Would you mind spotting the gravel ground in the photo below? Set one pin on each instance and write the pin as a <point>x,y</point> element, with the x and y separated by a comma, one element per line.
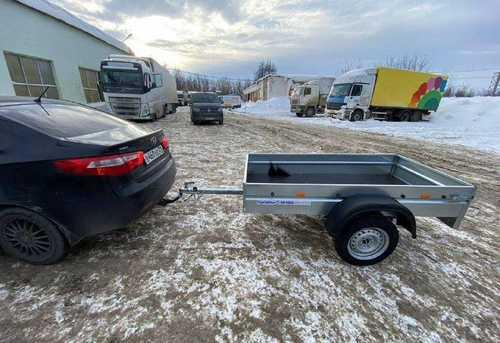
<point>203,271</point>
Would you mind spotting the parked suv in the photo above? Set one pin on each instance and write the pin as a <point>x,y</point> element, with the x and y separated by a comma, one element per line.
<point>206,107</point>
<point>69,171</point>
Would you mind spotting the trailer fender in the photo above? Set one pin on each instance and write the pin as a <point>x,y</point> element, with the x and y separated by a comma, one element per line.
<point>351,208</point>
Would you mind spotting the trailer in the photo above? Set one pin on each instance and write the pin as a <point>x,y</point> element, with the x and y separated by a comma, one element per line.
<point>363,198</point>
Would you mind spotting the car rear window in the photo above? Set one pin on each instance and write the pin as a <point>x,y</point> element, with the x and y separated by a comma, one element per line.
<point>61,120</point>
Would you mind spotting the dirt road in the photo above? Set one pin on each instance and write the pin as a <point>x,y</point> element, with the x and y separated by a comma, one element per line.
<point>203,271</point>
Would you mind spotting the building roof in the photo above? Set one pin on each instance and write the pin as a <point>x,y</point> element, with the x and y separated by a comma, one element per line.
<point>61,14</point>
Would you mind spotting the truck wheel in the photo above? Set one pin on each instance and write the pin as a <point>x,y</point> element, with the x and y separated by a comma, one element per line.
<point>30,237</point>
<point>416,116</point>
<point>299,114</point>
<point>356,116</point>
<point>311,112</point>
<point>367,241</point>
<point>405,115</point>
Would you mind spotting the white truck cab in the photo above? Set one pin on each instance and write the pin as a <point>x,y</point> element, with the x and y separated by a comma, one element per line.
<point>310,98</point>
<point>137,87</point>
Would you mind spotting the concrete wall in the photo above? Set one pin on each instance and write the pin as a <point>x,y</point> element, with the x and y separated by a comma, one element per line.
<point>27,32</point>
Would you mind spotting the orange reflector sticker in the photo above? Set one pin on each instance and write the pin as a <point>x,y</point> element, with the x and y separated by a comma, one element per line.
<point>425,196</point>
<point>300,194</point>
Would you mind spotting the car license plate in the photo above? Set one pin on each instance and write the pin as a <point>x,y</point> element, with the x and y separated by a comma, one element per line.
<point>153,154</point>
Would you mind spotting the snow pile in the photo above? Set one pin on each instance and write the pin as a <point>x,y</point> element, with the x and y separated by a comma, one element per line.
<point>273,107</point>
<point>472,122</point>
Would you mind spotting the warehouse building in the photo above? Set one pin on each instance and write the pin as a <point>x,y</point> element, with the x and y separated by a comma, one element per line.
<point>42,45</point>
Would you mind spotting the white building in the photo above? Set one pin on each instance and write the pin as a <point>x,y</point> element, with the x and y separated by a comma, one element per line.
<point>273,86</point>
<point>43,45</point>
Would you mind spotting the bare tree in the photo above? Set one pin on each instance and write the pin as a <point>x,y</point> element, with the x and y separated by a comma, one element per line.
<point>265,68</point>
<point>350,65</point>
<point>408,62</point>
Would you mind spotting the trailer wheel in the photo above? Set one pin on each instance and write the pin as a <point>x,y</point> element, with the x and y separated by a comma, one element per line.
<point>416,116</point>
<point>405,115</point>
<point>356,116</point>
<point>367,241</point>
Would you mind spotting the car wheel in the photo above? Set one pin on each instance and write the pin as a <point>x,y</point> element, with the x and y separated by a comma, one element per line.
<point>356,116</point>
<point>30,237</point>
<point>367,241</point>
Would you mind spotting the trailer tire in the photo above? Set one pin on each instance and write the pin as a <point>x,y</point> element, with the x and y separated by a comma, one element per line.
<point>367,240</point>
<point>405,115</point>
<point>356,116</point>
<point>416,116</point>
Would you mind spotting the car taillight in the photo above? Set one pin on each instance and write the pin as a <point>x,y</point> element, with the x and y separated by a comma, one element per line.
<point>165,143</point>
<point>115,165</point>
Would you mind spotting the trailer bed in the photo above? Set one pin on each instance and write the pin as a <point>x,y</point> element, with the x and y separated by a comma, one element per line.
<point>312,184</point>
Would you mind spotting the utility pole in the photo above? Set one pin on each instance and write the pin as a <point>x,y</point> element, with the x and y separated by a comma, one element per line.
<point>495,83</point>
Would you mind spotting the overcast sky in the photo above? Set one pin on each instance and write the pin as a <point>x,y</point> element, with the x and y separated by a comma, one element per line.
<point>302,37</point>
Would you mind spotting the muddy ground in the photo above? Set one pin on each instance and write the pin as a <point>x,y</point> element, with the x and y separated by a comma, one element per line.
<point>203,271</point>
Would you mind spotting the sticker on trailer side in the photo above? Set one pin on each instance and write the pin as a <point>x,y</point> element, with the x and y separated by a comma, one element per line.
<point>284,202</point>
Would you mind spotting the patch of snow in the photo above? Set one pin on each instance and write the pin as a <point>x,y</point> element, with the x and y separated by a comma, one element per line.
<point>3,292</point>
<point>471,122</point>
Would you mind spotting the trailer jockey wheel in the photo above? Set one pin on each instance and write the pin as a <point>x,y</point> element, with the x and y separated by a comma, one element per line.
<point>367,240</point>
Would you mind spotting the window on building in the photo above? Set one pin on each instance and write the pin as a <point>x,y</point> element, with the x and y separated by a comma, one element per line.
<point>89,82</point>
<point>307,91</point>
<point>30,76</point>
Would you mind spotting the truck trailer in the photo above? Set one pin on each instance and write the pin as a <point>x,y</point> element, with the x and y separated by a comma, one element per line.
<point>386,94</point>
<point>137,88</point>
<point>310,98</point>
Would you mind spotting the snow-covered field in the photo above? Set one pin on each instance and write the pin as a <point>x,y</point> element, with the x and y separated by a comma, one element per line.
<point>472,122</point>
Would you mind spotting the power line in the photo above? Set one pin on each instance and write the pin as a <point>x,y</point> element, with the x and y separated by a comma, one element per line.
<point>206,76</point>
<point>474,70</point>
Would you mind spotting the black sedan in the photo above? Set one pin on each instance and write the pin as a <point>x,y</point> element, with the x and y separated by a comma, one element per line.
<point>68,171</point>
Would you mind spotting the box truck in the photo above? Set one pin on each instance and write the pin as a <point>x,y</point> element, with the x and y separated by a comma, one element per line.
<point>385,93</point>
<point>310,98</point>
<point>137,88</point>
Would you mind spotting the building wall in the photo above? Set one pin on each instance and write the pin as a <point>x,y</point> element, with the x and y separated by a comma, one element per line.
<point>28,32</point>
<point>278,86</point>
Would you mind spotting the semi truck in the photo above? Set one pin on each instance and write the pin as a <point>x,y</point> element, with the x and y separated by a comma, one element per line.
<point>137,88</point>
<point>310,98</point>
<point>385,94</point>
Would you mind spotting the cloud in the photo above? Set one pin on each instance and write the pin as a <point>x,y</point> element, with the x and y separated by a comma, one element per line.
<point>301,36</point>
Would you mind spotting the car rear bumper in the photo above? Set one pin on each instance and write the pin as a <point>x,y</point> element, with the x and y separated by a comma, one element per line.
<point>114,208</point>
<point>206,116</point>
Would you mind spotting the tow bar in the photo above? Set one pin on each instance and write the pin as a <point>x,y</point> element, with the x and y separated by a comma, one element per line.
<point>191,189</point>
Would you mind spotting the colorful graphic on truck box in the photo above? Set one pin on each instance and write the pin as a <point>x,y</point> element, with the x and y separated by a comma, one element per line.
<point>429,94</point>
<point>408,89</point>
